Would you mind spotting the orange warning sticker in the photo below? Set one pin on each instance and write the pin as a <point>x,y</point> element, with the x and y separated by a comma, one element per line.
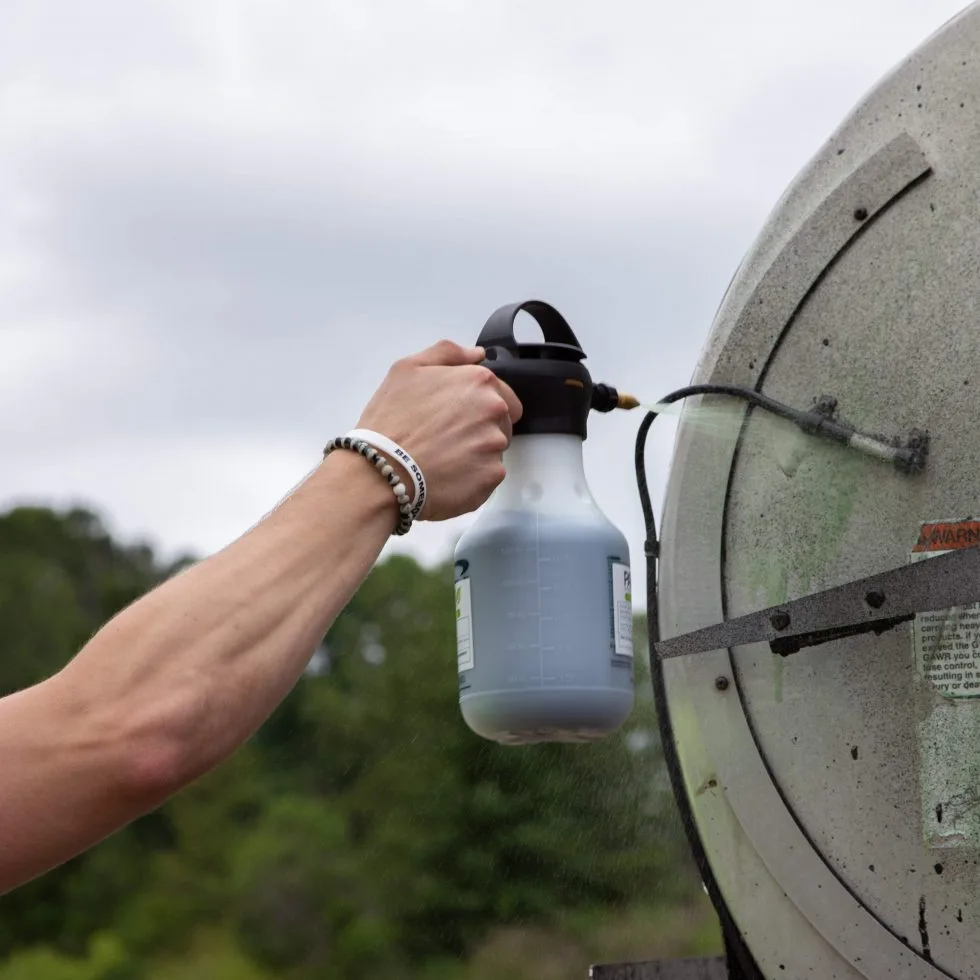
<point>948,536</point>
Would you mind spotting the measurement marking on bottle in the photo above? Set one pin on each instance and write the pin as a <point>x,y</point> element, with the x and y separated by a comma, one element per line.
<point>537,547</point>
<point>464,627</point>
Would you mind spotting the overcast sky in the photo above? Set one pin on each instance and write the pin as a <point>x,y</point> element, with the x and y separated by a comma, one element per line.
<point>221,221</point>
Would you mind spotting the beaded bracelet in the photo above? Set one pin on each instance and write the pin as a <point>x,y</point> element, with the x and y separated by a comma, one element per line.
<point>391,448</point>
<point>381,464</point>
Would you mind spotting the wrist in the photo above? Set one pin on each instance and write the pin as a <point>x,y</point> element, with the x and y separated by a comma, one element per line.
<point>397,461</point>
<point>405,480</point>
<point>353,477</point>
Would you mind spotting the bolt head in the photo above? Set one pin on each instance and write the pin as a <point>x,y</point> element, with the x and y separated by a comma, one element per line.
<point>780,620</point>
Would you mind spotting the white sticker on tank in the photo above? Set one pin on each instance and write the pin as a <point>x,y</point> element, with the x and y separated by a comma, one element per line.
<point>622,595</point>
<point>464,626</point>
<point>946,642</point>
<point>946,649</point>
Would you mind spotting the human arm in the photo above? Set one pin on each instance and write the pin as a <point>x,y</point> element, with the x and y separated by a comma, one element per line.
<point>177,681</point>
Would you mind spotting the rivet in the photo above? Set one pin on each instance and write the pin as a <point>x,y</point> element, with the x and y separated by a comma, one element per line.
<point>780,620</point>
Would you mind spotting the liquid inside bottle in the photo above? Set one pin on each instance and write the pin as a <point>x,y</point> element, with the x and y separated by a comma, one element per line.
<point>544,605</point>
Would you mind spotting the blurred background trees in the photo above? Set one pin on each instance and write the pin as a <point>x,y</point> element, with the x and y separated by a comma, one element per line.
<point>364,831</point>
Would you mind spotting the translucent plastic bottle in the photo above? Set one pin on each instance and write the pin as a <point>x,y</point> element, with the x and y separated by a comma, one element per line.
<point>543,594</point>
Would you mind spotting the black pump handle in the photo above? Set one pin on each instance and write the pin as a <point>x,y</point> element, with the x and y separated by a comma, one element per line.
<point>498,331</point>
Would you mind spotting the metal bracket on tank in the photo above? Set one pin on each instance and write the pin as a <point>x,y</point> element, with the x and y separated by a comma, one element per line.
<point>710,968</point>
<point>869,605</point>
<point>793,644</point>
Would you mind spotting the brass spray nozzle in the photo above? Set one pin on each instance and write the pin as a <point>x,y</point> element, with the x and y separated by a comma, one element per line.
<point>605,398</point>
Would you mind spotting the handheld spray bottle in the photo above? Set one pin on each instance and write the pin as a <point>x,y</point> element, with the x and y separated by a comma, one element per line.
<point>542,578</point>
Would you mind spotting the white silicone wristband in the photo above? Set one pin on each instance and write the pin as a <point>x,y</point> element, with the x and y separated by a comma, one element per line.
<point>391,449</point>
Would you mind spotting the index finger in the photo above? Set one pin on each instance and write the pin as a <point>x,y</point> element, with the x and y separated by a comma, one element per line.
<point>448,354</point>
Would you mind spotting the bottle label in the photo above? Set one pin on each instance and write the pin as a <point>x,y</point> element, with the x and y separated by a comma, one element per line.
<point>622,610</point>
<point>464,626</point>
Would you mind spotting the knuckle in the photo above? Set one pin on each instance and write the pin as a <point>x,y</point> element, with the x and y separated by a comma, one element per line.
<point>489,440</point>
<point>494,475</point>
<point>500,440</point>
<point>484,376</point>
<point>498,408</point>
<point>446,346</point>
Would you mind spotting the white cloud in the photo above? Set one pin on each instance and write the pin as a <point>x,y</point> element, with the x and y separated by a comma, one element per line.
<point>616,100</point>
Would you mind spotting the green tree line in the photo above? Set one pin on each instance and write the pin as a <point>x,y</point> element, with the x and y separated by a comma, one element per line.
<point>364,831</point>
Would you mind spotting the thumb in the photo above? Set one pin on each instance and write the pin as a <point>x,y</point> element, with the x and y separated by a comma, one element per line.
<point>448,354</point>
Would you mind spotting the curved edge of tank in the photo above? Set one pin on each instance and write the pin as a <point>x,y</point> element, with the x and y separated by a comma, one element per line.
<point>832,163</point>
<point>756,899</point>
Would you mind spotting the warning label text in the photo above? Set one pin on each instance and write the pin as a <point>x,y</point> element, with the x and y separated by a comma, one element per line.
<point>947,641</point>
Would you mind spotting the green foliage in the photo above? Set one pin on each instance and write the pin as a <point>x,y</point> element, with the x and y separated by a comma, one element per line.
<point>107,959</point>
<point>300,896</point>
<point>214,955</point>
<point>363,831</point>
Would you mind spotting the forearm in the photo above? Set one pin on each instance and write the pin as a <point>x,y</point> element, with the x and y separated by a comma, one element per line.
<point>197,665</point>
<point>176,682</point>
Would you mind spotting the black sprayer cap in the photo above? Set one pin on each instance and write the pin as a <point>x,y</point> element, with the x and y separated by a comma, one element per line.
<point>554,387</point>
